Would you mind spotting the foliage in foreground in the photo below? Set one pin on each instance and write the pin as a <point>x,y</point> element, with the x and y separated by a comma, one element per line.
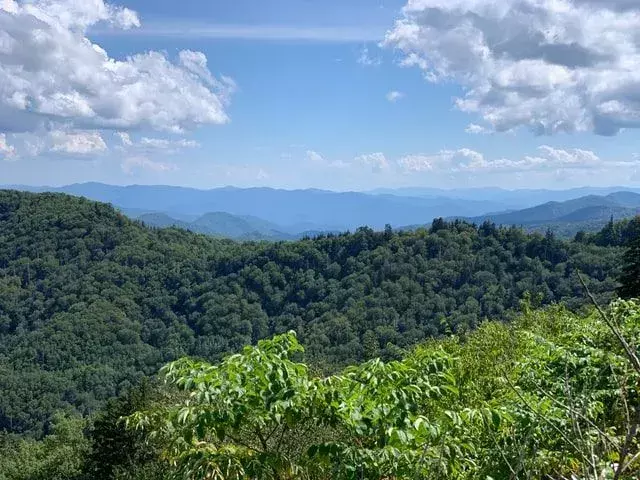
<point>553,396</point>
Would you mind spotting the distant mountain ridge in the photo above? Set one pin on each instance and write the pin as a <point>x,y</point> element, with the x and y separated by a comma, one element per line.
<point>271,214</point>
<point>221,224</point>
<point>513,199</point>
<point>586,213</point>
<point>294,210</point>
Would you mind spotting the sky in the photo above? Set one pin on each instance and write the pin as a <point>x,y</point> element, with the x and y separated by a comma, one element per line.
<point>332,94</point>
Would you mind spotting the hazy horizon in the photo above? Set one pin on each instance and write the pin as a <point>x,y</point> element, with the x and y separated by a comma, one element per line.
<point>378,190</point>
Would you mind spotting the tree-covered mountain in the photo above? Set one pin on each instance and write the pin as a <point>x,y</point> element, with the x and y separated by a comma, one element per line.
<point>221,224</point>
<point>589,213</point>
<point>91,301</point>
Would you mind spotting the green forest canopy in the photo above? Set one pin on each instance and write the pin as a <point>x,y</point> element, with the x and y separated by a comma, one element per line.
<point>554,396</point>
<point>551,395</point>
<point>90,302</point>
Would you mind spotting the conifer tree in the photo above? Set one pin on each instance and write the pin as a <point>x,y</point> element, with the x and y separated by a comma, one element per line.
<point>630,278</point>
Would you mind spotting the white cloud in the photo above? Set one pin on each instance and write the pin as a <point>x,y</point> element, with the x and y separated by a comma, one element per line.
<point>549,65</point>
<point>9,5</point>
<point>452,160</point>
<point>51,72</point>
<point>376,161</point>
<point>131,164</point>
<point>61,141</point>
<point>165,144</point>
<point>417,163</point>
<point>394,96</point>
<point>547,159</point>
<point>78,15</point>
<point>138,152</point>
<point>7,151</point>
<point>477,129</point>
<point>77,143</point>
<point>314,157</point>
<point>152,144</point>
<point>366,60</point>
<point>91,142</point>
<point>125,138</point>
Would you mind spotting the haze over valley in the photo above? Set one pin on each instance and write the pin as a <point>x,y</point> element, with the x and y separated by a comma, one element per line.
<point>270,214</point>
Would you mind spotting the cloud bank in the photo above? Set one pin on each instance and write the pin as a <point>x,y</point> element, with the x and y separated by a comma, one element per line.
<point>546,159</point>
<point>51,74</point>
<point>548,65</point>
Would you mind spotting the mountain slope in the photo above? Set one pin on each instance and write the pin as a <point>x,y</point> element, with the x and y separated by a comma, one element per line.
<point>625,198</point>
<point>220,224</point>
<point>227,225</point>
<point>513,199</point>
<point>91,301</point>
<point>592,208</point>
<point>599,213</point>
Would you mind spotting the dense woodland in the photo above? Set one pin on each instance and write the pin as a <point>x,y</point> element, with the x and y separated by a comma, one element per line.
<point>551,395</point>
<point>92,303</point>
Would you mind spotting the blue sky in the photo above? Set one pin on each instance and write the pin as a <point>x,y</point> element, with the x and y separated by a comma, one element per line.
<point>319,99</point>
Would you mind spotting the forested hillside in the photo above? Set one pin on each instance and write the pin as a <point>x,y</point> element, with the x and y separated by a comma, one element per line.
<point>90,301</point>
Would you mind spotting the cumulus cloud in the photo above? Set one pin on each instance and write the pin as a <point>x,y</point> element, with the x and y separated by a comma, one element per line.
<point>546,159</point>
<point>60,141</point>
<point>51,72</point>
<point>453,160</point>
<point>376,161</point>
<point>549,65</point>
<point>67,141</point>
<point>76,143</point>
<point>477,129</point>
<point>394,96</point>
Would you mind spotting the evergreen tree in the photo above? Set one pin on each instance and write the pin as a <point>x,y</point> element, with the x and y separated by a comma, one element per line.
<point>630,278</point>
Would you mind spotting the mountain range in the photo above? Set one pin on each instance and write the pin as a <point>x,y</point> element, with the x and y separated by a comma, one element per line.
<point>294,210</point>
<point>271,214</point>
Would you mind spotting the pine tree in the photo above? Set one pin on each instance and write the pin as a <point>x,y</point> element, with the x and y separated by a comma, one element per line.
<point>630,278</point>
